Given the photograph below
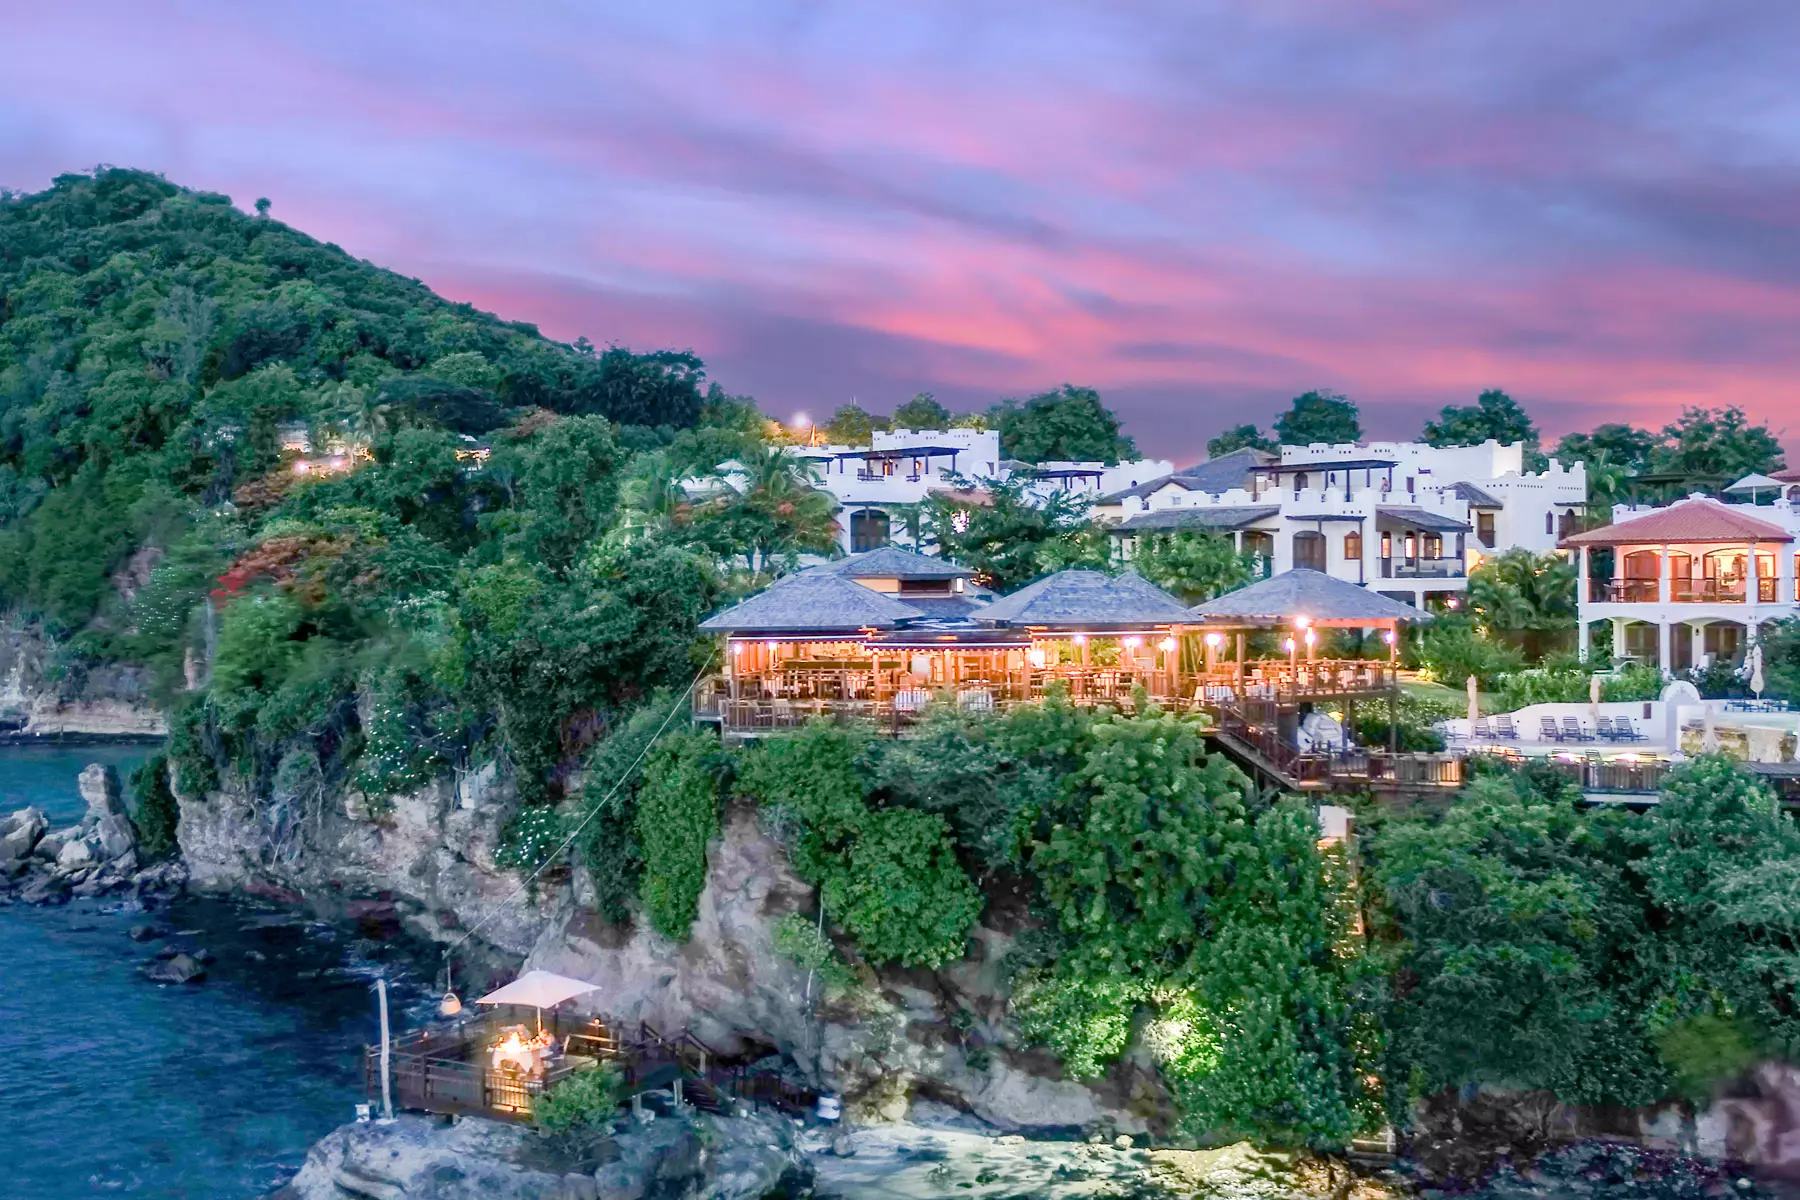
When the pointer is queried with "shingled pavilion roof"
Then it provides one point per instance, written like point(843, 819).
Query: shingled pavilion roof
point(812, 602)
point(1087, 599)
point(1301, 592)
point(892, 562)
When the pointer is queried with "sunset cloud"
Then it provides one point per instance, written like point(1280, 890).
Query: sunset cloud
point(1202, 209)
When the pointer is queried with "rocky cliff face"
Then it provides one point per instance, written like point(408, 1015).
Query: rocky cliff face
point(101, 701)
point(426, 862)
point(423, 860)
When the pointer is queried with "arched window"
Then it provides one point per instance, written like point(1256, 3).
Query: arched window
point(1309, 550)
point(1353, 546)
point(868, 530)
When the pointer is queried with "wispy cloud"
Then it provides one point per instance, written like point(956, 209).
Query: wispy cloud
point(1202, 208)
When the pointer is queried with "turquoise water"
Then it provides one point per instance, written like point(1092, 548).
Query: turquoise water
point(119, 1087)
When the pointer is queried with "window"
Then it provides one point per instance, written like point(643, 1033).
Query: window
point(1353, 546)
point(1412, 546)
point(1549, 522)
point(1309, 551)
point(1387, 545)
point(1299, 483)
point(868, 530)
point(1484, 529)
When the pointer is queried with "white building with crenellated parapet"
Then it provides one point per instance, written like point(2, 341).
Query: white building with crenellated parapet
point(1402, 518)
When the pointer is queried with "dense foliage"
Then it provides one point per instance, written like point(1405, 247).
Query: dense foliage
point(1069, 424)
point(1494, 415)
point(1194, 565)
point(1319, 417)
point(1011, 537)
point(1537, 943)
point(155, 814)
point(1238, 437)
point(1703, 450)
point(677, 816)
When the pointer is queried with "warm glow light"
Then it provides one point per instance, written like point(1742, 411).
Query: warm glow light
point(1081, 639)
point(1215, 640)
point(1167, 643)
point(801, 420)
point(1134, 642)
point(1388, 637)
point(1038, 657)
point(301, 468)
point(1288, 645)
point(737, 647)
point(1311, 637)
point(1302, 622)
point(772, 644)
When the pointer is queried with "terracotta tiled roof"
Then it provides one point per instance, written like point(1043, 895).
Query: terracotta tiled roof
point(1791, 475)
point(1694, 520)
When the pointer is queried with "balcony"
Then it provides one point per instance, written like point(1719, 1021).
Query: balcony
point(1681, 591)
point(1423, 568)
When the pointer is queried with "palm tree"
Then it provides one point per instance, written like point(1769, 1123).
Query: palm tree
point(782, 512)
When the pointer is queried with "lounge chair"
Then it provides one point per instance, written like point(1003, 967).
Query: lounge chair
point(1482, 729)
point(1573, 732)
point(1603, 729)
point(1504, 729)
point(1625, 731)
point(1547, 730)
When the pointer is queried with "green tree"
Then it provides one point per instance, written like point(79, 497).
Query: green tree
point(677, 817)
point(851, 425)
point(1626, 446)
point(1319, 417)
point(921, 412)
point(1195, 565)
point(1712, 447)
point(1526, 598)
point(1069, 424)
point(1494, 415)
point(781, 514)
point(1014, 537)
point(1239, 437)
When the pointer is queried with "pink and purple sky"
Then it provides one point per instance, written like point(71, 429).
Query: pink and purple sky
point(1202, 208)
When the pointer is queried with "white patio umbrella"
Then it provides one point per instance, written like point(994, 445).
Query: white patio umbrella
point(1709, 736)
point(539, 990)
point(1754, 483)
point(1474, 702)
point(1756, 671)
point(1594, 690)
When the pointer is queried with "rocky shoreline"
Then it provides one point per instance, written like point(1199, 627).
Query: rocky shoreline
point(97, 856)
point(697, 1156)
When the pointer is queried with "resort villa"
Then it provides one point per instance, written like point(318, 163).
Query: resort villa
point(1688, 584)
point(1402, 518)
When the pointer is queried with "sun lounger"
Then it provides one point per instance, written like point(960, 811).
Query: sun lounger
point(1573, 731)
point(1603, 729)
point(1547, 730)
point(1483, 729)
point(1504, 729)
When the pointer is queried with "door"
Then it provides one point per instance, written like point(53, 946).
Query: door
point(1309, 551)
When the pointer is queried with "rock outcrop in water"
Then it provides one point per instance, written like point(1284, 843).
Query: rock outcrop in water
point(97, 856)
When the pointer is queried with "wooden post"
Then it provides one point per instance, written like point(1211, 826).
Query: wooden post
point(387, 1095)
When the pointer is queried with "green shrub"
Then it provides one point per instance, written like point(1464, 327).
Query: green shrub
point(1704, 1051)
point(888, 876)
point(798, 938)
point(900, 893)
point(583, 1103)
point(156, 816)
point(529, 837)
point(1453, 649)
point(677, 817)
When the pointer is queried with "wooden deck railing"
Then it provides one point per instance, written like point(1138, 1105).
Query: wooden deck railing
point(444, 1070)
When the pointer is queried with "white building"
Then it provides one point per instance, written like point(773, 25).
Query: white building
point(1405, 519)
point(1688, 583)
point(878, 487)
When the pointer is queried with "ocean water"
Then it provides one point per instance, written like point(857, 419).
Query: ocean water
point(115, 1086)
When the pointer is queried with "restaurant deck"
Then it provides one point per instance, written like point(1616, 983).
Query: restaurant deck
point(449, 1069)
